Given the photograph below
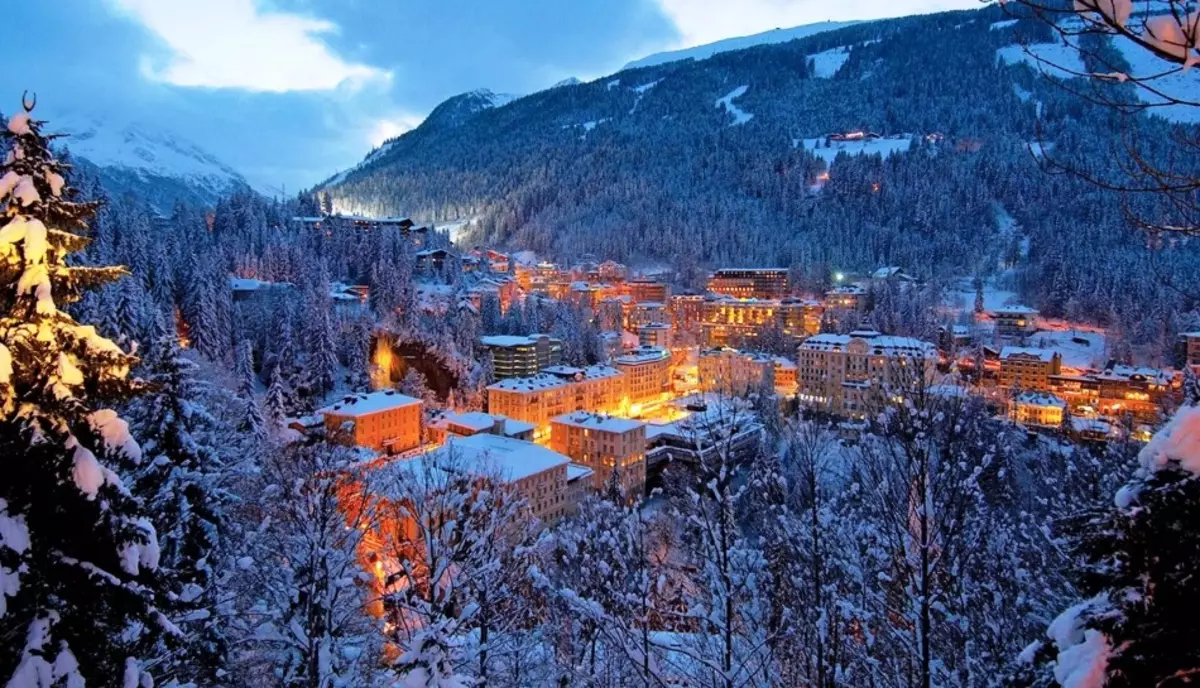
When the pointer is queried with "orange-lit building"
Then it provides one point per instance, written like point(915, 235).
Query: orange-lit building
point(603, 443)
point(1028, 369)
point(849, 373)
point(849, 297)
point(647, 290)
point(385, 421)
point(727, 321)
point(686, 311)
point(1119, 390)
point(647, 373)
point(1038, 408)
point(555, 391)
point(756, 283)
point(1015, 322)
point(656, 335)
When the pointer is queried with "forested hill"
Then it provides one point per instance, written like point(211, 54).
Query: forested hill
point(698, 163)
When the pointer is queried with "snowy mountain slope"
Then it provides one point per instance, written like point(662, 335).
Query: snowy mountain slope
point(703, 52)
point(147, 160)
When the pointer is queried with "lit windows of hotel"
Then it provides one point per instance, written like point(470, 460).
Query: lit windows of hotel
point(756, 283)
point(647, 373)
point(603, 443)
point(514, 356)
point(384, 421)
point(851, 374)
point(1015, 322)
point(1028, 369)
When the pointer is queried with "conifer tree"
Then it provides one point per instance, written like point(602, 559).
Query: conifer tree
point(276, 402)
point(181, 484)
point(78, 554)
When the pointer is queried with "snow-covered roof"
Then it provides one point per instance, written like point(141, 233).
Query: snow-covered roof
point(884, 273)
point(517, 427)
point(598, 421)
point(505, 457)
point(475, 420)
point(852, 289)
point(543, 381)
point(1015, 310)
point(505, 341)
point(1045, 355)
point(642, 354)
point(1090, 425)
point(1039, 399)
point(1125, 372)
point(578, 472)
point(563, 370)
point(883, 344)
point(365, 404)
point(649, 305)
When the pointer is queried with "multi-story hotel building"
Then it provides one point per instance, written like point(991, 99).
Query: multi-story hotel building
point(1015, 322)
point(1038, 408)
point(727, 321)
point(538, 474)
point(1119, 390)
point(729, 371)
point(646, 312)
point(645, 290)
point(849, 297)
point(603, 443)
point(514, 356)
point(385, 421)
point(654, 335)
point(1189, 343)
point(647, 372)
point(850, 374)
point(757, 283)
point(555, 391)
point(1028, 369)
point(686, 311)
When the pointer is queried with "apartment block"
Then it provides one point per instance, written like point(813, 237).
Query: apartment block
point(655, 335)
point(385, 421)
point(729, 371)
point(647, 373)
point(1038, 408)
point(645, 290)
point(752, 283)
point(850, 374)
point(729, 321)
point(1028, 369)
point(1015, 322)
point(555, 391)
point(603, 443)
point(522, 356)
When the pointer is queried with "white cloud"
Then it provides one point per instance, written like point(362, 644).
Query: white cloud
point(705, 21)
point(235, 44)
point(392, 127)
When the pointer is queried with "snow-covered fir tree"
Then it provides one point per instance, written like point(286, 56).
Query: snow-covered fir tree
point(304, 600)
point(79, 555)
point(182, 482)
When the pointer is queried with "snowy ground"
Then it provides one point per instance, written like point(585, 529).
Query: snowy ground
point(960, 297)
point(740, 116)
point(885, 147)
point(1051, 58)
point(1177, 83)
point(827, 63)
point(1080, 348)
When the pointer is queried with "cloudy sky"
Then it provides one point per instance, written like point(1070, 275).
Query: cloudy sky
point(291, 91)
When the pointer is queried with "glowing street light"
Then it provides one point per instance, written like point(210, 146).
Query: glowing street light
point(838, 277)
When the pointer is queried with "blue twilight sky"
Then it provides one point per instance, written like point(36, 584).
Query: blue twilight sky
point(291, 91)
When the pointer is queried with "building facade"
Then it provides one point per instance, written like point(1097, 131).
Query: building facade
point(604, 444)
point(645, 290)
point(655, 335)
point(647, 373)
point(556, 391)
point(1038, 408)
point(1028, 369)
point(728, 321)
point(754, 283)
point(729, 371)
point(384, 421)
point(514, 356)
point(851, 374)
point(1015, 322)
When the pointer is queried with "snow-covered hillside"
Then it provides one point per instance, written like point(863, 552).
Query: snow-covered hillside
point(703, 52)
point(156, 163)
